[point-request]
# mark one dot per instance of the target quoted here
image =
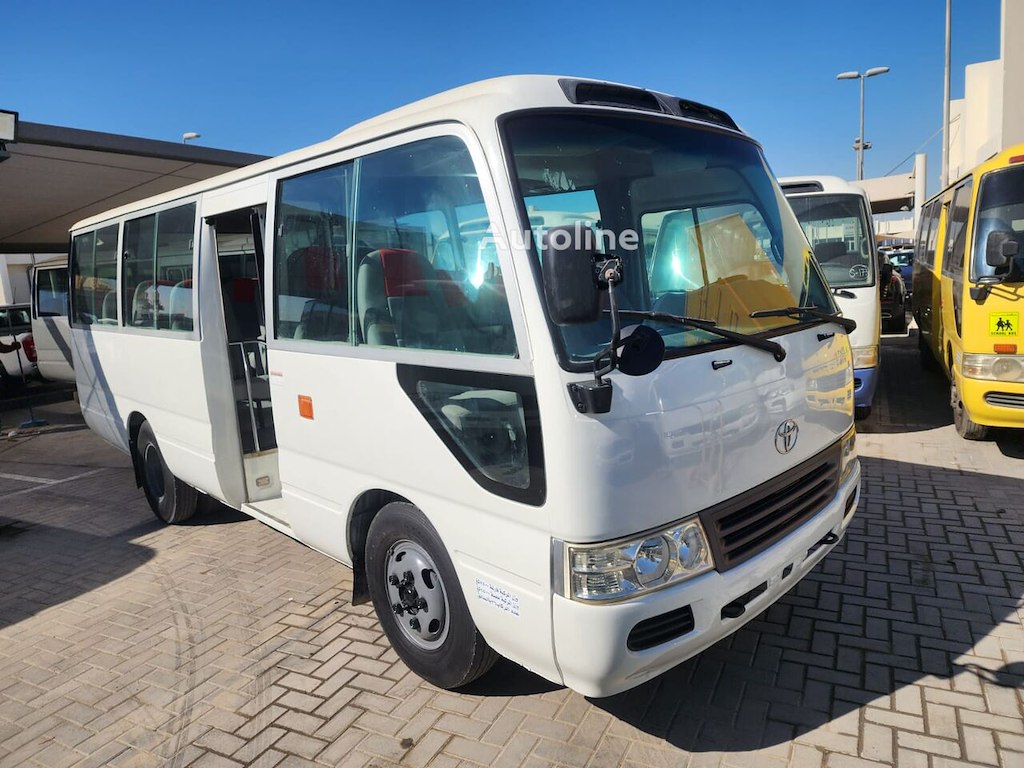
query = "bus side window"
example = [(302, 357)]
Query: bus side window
[(428, 276), (156, 246), (94, 277), (311, 256)]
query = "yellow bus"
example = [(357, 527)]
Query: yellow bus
[(969, 292)]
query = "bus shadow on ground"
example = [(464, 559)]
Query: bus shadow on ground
[(42, 566), (908, 594)]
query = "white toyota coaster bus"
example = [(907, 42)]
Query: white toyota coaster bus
[(836, 217), (540, 358)]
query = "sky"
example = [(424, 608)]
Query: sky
[(268, 77)]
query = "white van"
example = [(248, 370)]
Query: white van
[(836, 217), (50, 327)]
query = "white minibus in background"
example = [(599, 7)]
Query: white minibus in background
[(525, 443), (836, 217), (50, 320)]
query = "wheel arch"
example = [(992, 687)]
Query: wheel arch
[(363, 510)]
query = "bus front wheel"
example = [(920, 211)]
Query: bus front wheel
[(172, 500), (419, 602), (966, 427)]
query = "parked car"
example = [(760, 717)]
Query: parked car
[(903, 260), (894, 296), (16, 324)]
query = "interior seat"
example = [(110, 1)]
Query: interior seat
[(402, 302)]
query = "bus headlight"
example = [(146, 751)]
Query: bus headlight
[(614, 571), (865, 357), (993, 367), (848, 455)]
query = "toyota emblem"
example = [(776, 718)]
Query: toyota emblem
[(785, 436)]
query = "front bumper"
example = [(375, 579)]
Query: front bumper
[(865, 382), (591, 640), (993, 403)]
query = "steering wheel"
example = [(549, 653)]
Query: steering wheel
[(859, 272)]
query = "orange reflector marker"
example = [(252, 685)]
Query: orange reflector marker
[(1005, 349), (306, 407)]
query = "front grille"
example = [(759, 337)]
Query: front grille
[(744, 525), (1005, 399), (651, 632), (831, 381)]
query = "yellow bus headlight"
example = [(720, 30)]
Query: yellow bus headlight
[(993, 367)]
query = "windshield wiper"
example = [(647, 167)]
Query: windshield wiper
[(847, 324), (777, 350)]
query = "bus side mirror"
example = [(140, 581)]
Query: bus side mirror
[(886, 273), (1000, 248), (570, 282)]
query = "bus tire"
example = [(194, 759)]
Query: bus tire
[(966, 427), (899, 321), (171, 500), (419, 602), (927, 360), (861, 412)]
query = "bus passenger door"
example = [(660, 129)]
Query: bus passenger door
[(238, 237)]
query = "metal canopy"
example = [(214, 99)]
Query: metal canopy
[(56, 176)]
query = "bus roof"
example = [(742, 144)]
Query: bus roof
[(1012, 155), (477, 105), (809, 185)]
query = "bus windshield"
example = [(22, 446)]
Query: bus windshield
[(1000, 207), (701, 227), (834, 223)]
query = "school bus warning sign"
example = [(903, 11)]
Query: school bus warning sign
[(1003, 323)]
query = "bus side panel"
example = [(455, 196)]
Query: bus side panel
[(97, 359), (162, 379), (367, 434), (864, 307), (53, 348)]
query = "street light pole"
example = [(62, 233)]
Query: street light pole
[(860, 144), (860, 141)]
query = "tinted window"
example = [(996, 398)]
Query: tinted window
[(311, 289), (934, 216), (428, 273), (52, 292), (14, 320), (94, 277), (1000, 207), (157, 273), (694, 216), (956, 230), (837, 227)]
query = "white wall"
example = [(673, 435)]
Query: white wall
[(1011, 37), (983, 134), (14, 275)]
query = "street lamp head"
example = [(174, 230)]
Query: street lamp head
[(876, 71), (187, 137), (847, 76)]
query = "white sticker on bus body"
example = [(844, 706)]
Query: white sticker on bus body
[(498, 597)]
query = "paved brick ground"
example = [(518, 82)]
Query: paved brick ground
[(223, 643)]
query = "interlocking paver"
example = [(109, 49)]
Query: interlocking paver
[(224, 643)]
